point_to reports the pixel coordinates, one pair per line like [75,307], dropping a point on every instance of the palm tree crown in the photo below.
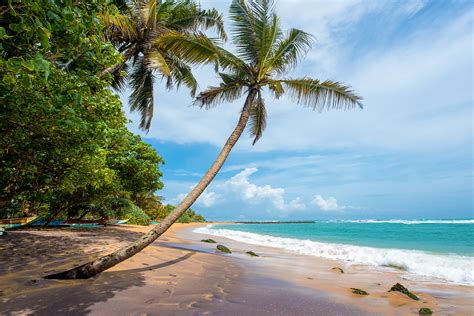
[264,55]
[137,33]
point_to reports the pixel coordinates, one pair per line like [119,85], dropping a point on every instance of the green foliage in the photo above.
[137,216]
[161,211]
[138,34]
[64,145]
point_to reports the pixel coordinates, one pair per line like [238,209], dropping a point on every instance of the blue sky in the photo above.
[407,154]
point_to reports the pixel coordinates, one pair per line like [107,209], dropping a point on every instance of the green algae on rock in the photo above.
[209,241]
[252,254]
[400,288]
[358,291]
[425,311]
[223,249]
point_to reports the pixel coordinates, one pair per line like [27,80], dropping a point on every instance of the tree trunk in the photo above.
[90,269]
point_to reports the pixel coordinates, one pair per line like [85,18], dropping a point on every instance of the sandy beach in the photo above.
[179,275]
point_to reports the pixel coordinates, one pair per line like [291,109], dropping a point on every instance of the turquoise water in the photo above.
[440,250]
[449,237]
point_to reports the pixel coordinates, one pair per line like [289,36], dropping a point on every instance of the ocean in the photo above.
[439,250]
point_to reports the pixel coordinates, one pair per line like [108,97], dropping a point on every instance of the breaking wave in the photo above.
[451,268]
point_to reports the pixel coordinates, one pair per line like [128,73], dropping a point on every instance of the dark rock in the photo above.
[209,241]
[425,311]
[358,291]
[338,269]
[400,288]
[253,254]
[223,249]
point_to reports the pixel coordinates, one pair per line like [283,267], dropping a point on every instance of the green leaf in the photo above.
[41,64]
[14,63]
[45,35]
[7,79]
[3,34]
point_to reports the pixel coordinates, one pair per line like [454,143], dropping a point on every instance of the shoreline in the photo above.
[441,297]
[180,274]
[444,268]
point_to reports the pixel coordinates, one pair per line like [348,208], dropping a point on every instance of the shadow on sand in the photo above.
[28,255]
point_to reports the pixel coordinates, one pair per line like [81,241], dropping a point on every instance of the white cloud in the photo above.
[296,204]
[250,192]
[329,204]
[206,199]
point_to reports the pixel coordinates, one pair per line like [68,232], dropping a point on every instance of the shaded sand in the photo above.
[178,275]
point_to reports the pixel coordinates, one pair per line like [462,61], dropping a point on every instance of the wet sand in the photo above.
[179,275]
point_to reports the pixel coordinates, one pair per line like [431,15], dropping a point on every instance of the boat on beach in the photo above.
[88,222]
[8,223]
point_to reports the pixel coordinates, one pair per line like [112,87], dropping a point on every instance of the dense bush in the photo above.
[65,147]
[137,216]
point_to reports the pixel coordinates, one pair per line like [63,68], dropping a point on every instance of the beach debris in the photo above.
[425,311]
[252,254]
[400,288]
[209,241]
[338,269]
[223,249]
[358,291]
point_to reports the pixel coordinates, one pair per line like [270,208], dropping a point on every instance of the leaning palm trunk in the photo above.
[90,269]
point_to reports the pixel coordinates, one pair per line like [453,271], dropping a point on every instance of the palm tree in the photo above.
[264,53]
[137,33]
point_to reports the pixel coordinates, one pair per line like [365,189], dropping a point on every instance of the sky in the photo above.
[407,155]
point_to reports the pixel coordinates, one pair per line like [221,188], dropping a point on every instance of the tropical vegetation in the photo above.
[138,33]
[65,148]
[264,55]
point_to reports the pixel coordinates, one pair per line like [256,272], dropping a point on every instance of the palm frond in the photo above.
[141,98]
[180,74]
[269,33]
[149,13]
[201,20]
[319,95]
[258,118]
[155,60]
[289,51]
[120,27]
[119,81]
[193,49]
[243,31]
[215,95]
[233,78]
[276,88]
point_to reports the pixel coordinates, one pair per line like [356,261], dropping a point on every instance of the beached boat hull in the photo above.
[16,222]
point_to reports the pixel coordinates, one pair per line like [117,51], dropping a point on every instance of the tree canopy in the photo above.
[65,146]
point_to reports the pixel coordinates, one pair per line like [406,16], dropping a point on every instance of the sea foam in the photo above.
[450,268]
